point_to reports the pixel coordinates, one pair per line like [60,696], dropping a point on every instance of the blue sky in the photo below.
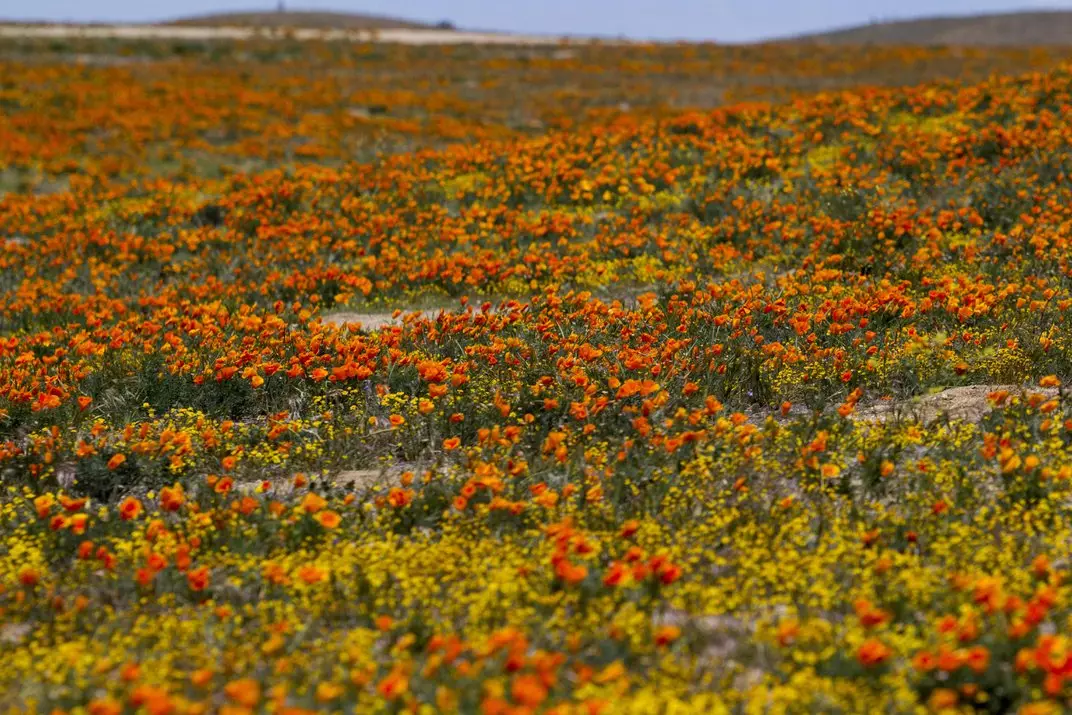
[722,20]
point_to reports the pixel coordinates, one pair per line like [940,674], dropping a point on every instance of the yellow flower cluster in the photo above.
[756,409]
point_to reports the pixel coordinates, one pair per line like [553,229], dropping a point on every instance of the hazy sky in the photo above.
[725,20]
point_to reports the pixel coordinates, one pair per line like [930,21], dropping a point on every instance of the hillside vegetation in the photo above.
[317,20]
[1021,29]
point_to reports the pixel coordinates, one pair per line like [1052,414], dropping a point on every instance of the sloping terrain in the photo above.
[304,19]
[1004,29]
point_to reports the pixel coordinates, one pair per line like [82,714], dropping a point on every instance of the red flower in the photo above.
[394,685]
[399,497]
[198,579]
[615,574]
[872,653]
[129,509]
[172,498]
[667,635]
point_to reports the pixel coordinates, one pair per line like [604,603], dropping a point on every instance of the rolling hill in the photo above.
[1033,28]
[318,20]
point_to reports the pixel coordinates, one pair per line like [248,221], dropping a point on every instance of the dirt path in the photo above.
[168,32]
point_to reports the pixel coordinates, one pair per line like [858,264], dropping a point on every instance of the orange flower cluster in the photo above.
[626,413]
[83,109]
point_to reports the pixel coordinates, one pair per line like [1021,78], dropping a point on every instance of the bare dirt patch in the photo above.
[369,478]
[14,633]
[352,479]
[373,321]
[969,403]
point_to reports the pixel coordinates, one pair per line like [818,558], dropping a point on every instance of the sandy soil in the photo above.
[168,32]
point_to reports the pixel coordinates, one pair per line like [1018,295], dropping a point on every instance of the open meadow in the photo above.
[574,378]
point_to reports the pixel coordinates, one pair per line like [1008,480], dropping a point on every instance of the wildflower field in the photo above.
[647,422]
